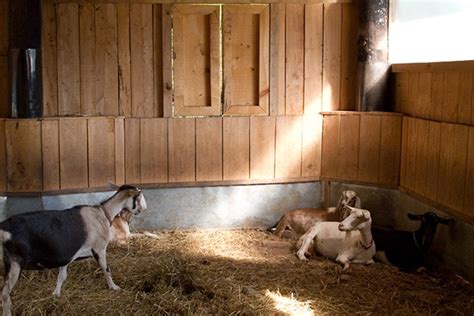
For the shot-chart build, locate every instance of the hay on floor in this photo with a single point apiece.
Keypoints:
(237, 271)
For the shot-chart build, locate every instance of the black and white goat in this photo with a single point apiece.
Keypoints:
(53, 239)
(405, 249)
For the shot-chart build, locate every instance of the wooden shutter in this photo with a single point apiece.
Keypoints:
(197, 60)
(246, 59)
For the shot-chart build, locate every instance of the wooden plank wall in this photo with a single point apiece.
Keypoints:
(441, 92)
(107, 59)
(64, 154)
(4, 5)
(362, 147)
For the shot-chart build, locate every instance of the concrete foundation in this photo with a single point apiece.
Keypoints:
(262, 206)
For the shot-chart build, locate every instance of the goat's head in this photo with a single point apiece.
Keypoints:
(135, 202)
(357, 219)
(427, 229)
(349, 198)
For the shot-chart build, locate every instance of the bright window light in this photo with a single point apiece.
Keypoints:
(427, 31)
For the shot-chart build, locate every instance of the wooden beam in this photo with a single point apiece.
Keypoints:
(467, 65)
(206, 1)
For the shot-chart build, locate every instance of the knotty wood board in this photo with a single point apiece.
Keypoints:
(24, 161)
(119, 151)
(349, 62)
(73, 153)
(50, 154)
(369, 149)
(262, 147)
(348, 155)
(288, 146)
(236, 137)
(390, 147)
(209, 149)
(277, 58)
(332, 56)
(124, 60)
(154, 150)
(87, 32)
(101, 151)
(449, 110)
(329, 162)
(182, 150)
(49, 58)
(132, 151)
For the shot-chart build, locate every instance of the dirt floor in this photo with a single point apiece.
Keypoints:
(236, 272)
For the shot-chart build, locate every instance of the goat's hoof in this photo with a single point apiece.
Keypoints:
(302, 257)
(115, 287)
(56, 294)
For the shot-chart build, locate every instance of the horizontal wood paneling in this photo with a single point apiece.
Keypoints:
(362, 147)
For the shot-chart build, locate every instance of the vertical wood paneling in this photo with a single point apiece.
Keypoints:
(288, 146)
(50, 152)
(424, 95)
(311, 150)
(124, 60)
(262, 147)
(209, 149)
(369, 149)
(332, 56)
(182, 150)
(132, 151)
(49, 58)
(3, 158)
(106, 71)
(295, 48)
(73, 153)
(469, 192)
(236, 137)
(69, 99)
(410, 165)
(101, 151)
(437, 96)
(158, 59)
(404, 155)
(413, 90)
(348, 147)
(24, 162)
(452, 165)
(423, 129)
(154, 150)
(349, 48)
(401, 97)
(432, 160)
(313, 58)
(466, 95)
(167, 55)
(390, 152)
(330, 146)
(87, 32)
(141, 38)
(449, 111)
(4, 10)
(4, 79)
(119, 151)
(277, 58)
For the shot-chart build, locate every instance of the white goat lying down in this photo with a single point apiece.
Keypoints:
(300, 220)
(120, 229)
(347, 241)
(52, 239)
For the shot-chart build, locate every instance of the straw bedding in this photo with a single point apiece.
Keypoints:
(235, 271)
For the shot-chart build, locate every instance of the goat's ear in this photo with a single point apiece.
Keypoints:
(357, 202)
(113, 186)
(414, 217)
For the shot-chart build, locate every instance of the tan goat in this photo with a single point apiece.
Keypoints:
(120, 229)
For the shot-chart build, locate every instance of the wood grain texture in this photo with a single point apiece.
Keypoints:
(295, 53)
(124, 60)
(423, 101)
(167, 56)
(106, 60)
(413, 90)
(73, 153)
(469, 192)
(348, 153)
(437, 96)
(4, 31)
(432, 160)
(101, 151)
(141, 38)
(236, 137)
(466, 95)
(209, 149)
(349, 49)
(311, 147)
(390, 150)
(50, 154)
(4, 84)
(87, 32)
(369, 149)
(288, 146)
(451, 95)
(49, 58)
(277, 58)
(410, 164)
(3, 157)
(69, 91)
(422, 142)
(401, 97)
(262, 147)
(132, 151)
(332, 56)
(119, 151)
(329, 164)
(313, 58)
(404, 154)
(182, 150)
(158, 59)
(24, 162)
(154, 150)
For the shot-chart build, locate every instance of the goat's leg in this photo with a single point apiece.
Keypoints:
(101, 258)
(10, 280)
(307, 238)
(61, 278)
(282, 223)
(344, 260)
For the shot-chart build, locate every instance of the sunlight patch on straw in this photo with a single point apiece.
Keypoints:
(290, 305)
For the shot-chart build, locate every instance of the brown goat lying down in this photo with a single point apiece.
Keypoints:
(301, 220)
(120, 229)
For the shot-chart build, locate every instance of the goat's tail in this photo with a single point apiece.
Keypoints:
(4, 236)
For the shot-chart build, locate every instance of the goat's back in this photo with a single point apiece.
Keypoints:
(301, 220)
